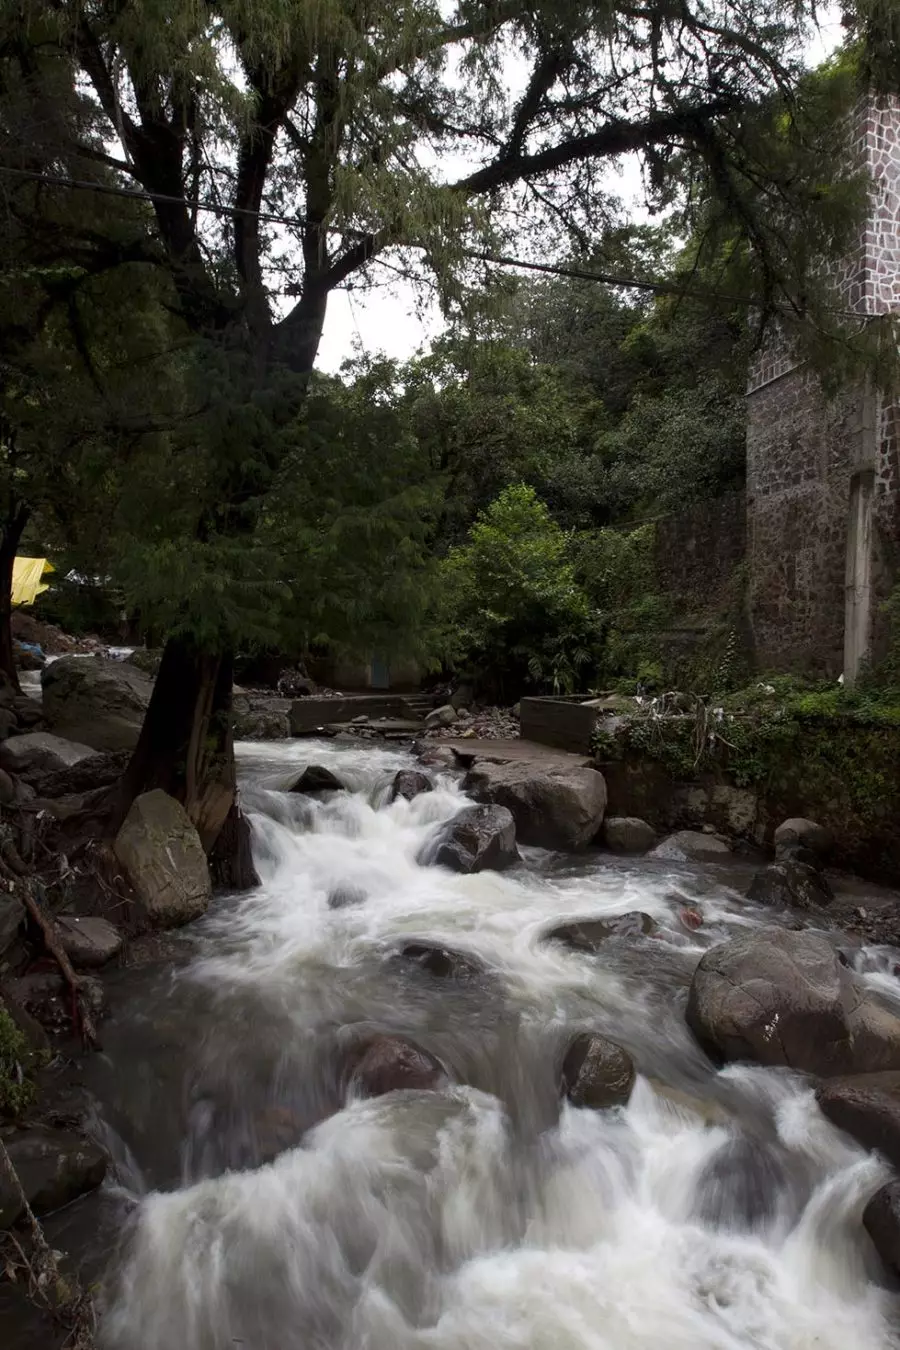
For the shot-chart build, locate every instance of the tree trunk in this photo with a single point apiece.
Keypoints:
(9, 545)
(186, 745)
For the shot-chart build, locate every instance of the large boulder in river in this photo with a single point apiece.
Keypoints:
(597, 1073)
(96, 701)
(164, 861)
(553, 807)
(316, 779)
(867, 1106)
(38, 752)
(784, 998)
(881, 1220)
(791, 884)
(478, 839)
(53, 1167)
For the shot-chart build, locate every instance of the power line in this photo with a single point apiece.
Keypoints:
(474, 255)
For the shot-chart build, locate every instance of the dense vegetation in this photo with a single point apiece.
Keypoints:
(183, 186)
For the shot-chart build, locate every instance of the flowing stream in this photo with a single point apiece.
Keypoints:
(718, 1211)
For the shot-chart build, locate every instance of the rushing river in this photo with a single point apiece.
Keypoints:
(718, 1211)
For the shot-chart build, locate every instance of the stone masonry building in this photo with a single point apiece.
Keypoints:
(823, 475)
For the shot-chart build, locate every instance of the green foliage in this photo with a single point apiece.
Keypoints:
(510, 605)
(617, 569)
(16, 1090)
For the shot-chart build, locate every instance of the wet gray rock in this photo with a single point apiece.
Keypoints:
(97, 701)
(589, 935)
(791, 884)
(9, 723)
(597, 1073)
(392, 1064)
(776, 997)
(261, 717)
(798, 853)
(54, 1168)
(807, 833)
(88, 941)
(881, 1220)
(12, 916)
(478, 839)
(440, 717)
(558, 808)
(691, 846)
(315, 779)
(628, 834)
(96, 771)
(39, 752)
(346, 897)
(164, 861)
(443, 962)
(408, 784)
(866, 1106)
(29, 713)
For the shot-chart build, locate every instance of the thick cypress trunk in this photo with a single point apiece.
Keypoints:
(186, 745)
(9, 545)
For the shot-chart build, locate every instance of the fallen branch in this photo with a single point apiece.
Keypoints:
(48, 1288)
(51, 941)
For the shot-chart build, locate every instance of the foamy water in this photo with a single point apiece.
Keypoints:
(715, 1212)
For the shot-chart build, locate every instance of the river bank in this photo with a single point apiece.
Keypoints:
(718, 1208)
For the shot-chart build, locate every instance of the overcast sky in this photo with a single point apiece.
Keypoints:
(389, 319)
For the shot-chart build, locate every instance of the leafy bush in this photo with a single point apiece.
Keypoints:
(618, 572)
(510, 605)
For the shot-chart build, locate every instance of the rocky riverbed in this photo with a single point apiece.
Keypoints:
(434, 1085)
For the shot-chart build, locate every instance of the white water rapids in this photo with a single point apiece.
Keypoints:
(718, 1211)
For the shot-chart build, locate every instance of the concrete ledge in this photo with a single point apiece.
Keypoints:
(563, 723)
(308, 715)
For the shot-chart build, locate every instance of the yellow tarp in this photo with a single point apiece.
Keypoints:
(26, 582)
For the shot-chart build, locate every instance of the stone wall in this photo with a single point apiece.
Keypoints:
(823, 476)
(697, 550)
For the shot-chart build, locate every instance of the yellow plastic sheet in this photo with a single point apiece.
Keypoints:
(26, 582)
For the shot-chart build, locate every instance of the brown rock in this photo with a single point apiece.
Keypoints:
(597, 1073)
(477, 839)
(866, 1106)
(88, 941)
(409, 784)
(558, 808)
(393, 1064)
(588, 935)
(881, 1220)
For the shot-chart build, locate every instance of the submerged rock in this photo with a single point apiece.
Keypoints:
(557, 808)
(408, 784)
(881, 1220)
(479, 838)
(54, 1168)
(164, 860)
(628, 834)
(791, 884)
(692, 846)
(597, 1073)
(443, 962)
(315, 779)
(393, 1064)
(866, 1106)
(346, 897)
(588, 935)
(739, 1189)
(776, 997)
